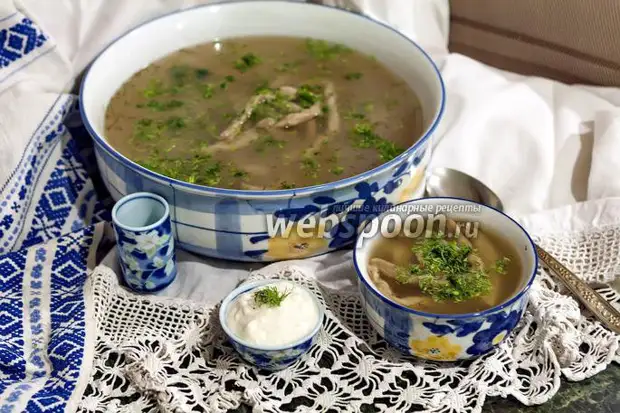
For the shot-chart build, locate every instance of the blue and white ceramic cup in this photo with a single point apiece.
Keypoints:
(145, 241)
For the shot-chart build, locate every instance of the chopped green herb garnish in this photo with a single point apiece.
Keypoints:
(247, 61)
(176, 123)
(288, 67)
(445, 271)
(310, 166)
(175, 90)
(201, 73)
(308, 95)
(155, 88)
(274, 108)
(360, 114)
(200, 169)
(209, 174)
(322, 50)
(408, 275)
(203, 146)
(388, 150)
(163, 106)
(353, 76)
(263, 88)
(286, 185)
(355, 115)
(270, 296)
(179, 75)
(207, 91)
(268, 141)
(365, 137)
(443, 256)
(238, 173)
(148, 129)
(337, 170)
(456, 287)
(227, 80)
(500, 265)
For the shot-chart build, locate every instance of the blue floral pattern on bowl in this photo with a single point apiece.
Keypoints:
(369, 200)
(147, 256)
(499, 325)
(268, 358)
(272, 360)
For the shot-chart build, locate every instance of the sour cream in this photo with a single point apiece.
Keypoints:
(261, 325)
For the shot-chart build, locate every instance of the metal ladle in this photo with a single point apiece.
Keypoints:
(444, 182)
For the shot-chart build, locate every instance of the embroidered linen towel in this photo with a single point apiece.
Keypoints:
(48, 205)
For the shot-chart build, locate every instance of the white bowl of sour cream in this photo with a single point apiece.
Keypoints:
(271, 323)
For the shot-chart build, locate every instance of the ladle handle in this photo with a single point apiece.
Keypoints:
(593, 301)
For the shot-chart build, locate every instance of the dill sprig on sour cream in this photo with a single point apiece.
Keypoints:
(270, 296)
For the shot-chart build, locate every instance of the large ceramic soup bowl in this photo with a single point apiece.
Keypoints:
(441, 296)
(242, 224)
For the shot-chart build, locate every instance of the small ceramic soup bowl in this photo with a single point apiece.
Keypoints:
(445, 337)
(271, 358)
(234, 224)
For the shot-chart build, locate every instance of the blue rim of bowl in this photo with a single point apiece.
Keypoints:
(280, 193)
(223, 313)
(128, 198)
(496, 308)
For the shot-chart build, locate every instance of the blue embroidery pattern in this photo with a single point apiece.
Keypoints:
(36, 329)
(49, 194)
(65, 350)
(12, 363)
(67, 192)
(17, 194)
(62, 190)
(37, 339)
(18, 41)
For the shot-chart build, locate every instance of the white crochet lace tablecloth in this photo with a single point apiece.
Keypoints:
(170, 355)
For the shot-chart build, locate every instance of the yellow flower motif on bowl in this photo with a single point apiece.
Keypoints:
(435, 348)
(276, 357)
(498, 338)
(410, 189)
(298, 243)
